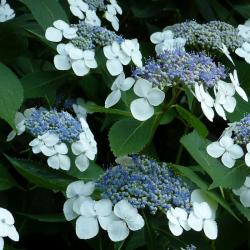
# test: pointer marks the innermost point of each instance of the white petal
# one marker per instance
(118, 82)
(202, 210)
(155, 96)
(114, 67)
(54, 35)
(62, 62)
(78, 203)
(240, 52)
(50, 139)
(77, 148)
(245, 198)
(226, 142)
(86, 227)
(13, 234)
(11, 136)
(118, 231)
(76, 12)
(108, 52)
(6, 216)
(76, 53)
(220, 111)
(141, 109)
(171, 217)
(113, 98)
(137, 58)
(230, 104)
(103, 207)
(82, 162)
(247, 159)
(136, 223)
(64, 162)
(68, 209)
(70, 33)
(54, 162)
(241, 93)
(61, 148)
(79, 68)
(157, 37)
(105, 221)
(92, 64)
(61, 25)
(194, 222)
(124, 210)
(208, 111)
(235, 151)
(87, 208)
(227, 160)
(142, 87)
(210, 229)
(180, 213)
(175, 229)
(127, 83)
(48, 151)
(215, 149)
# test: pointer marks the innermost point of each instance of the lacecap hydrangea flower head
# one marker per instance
(138, 183)
(84, 38)
(55, 133)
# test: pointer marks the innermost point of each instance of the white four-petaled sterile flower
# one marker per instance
(225, 96)
(127, 218)
(6, 13)
(19, 121)
(226, 52)
(177, 220)
(244, 192)
(235, 81)
(61, 29)
(120, 84)
(207, 102)
(116, 58)
(86, 148)
(244, 51)
(92, 212)
(143, 107)
(70, 56)
(165, 41)
(110, 14)
(7, 228)
(203, 214)
(92, 18)
(76, 192)
(226, 148)
(132, 49)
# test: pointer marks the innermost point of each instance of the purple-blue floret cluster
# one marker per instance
(242, 131)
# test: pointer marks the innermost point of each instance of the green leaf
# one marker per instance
(50, 218)
(43, 84)
(168, 117)
(46, 11)
(6, 181)
(11, 94)
(192, 121)
(100, 109)
(221, 176)
(243, 9)
(129, 136)
(41, 175)
(244, 211)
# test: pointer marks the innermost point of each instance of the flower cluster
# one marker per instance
(200, 73)
(234, 141)
(146, 184)
(85, 37)
(208, 36)
(90, 213)
(53, 132)
(7, 228)
(244, 50)
(6, 13)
